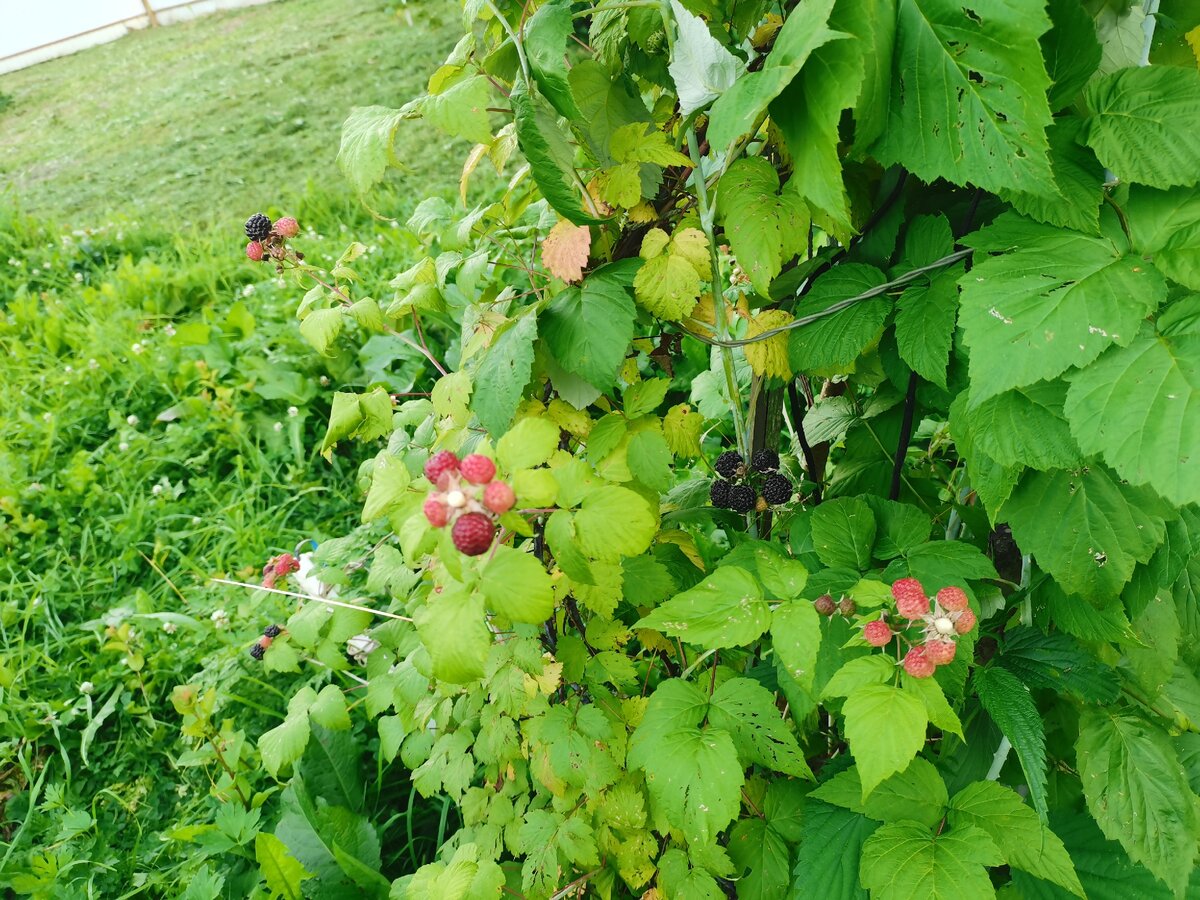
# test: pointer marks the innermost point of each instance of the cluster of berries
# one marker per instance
(948, 616)
(278, 567)
(267, 239)
(260, 646)
(736, 488)
(467, 498)
(826, 606)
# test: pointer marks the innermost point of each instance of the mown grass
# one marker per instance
(205, 121)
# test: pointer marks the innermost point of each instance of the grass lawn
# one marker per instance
(209, 120)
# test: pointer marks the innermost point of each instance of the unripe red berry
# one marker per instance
(477, 469)
(473, 533)
(254, 251)
(918, 664)
(824, 605)
(443, 461)
(287, 227)
(436, 512)
(846, 607)
(965, 621)
(499, 497)
(911, 601)
(952, 599)
(940, 652)
(877, 633)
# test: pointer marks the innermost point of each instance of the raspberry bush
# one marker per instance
(929, 269)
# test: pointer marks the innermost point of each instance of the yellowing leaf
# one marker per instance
(1193, 39)
(631, 143)
(624, 186)
(681, 427)
(565, 251)
(668, 283)
(768, 357)
(692, 245)
(643, 213)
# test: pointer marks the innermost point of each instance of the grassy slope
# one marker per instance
(208, 120)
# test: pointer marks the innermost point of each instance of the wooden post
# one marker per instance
(150, 13)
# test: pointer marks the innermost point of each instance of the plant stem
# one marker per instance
(999, 759)
(906, 430)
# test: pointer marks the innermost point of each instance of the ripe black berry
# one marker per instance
(764, 460)
(258, 226)
(272, 631)
(728, 463)
(718, 492)
(257, 651)
(777, 489)
(742, 498)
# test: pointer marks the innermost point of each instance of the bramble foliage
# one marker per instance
(942, 258)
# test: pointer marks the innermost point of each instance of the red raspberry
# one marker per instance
(254, 251)
(877, 633)
(918, 664)
(473, 533)
(952, 599)
(499, 497)
(436, 512)
(940, 652)
(443, 461)
(911, 601)
(284, 564)
(824, 605)
(965, 621)
(477, 469)
(287, 227)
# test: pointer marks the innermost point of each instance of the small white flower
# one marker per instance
(278, 426)
(36, 486)
(86, 687)
(47, 417)
(360, 647)
(137, 348)
(45, 265)
(79, 276)
(170, 627)
(220, 618)
(156, 490)
(14, 262)
(132, 420)
(324, 380)
(293, 411)
(169, 330)
(182, 789)
(196, 520)
(123, 446)
(248, 290)
(93, 364)
(69, 369)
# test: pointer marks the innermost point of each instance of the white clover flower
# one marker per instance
(360, 647)
(293, 411)
(220, 619)
(45, 265)
(69, 369)
(137, 348)
(93, 364)
(156, 490)
(278, 426)
(132, 420)
(324, 380)
(123, 446)
(169, 330)
(47, 417)
(248, 290)
(170, 627)
(79, 276)
(86, 687)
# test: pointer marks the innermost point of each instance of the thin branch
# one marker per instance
(810, 459)
(906, 429)
(327, 600)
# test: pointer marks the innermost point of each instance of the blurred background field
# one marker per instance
(159, 415)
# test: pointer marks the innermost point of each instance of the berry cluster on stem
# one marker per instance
(468, 498)
(941, 621)
(743, 488)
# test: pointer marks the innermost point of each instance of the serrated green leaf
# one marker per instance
(546, 36)
(916, 794)
(517, 586)
(1144, 122)
(502, 374)
(454, 631)
(283, 874)
(321, 327)
(747, 710)
(1139, 407)
(1137, 792)
(1011, 707)
(843, 533)
(366, 148)
(1026, 426)
(329, 709)
(529, 443)
(885, 728)
(389, 482)
(796, 639)
(650, 460)
(1085, 528)
(644, 396)
(1057, 300)
(761, 852)
(726, 609)
(1079, 179)
(764, 228)
(875, 668)
(830, 345)
(992, 481)
(936, 706)
(1058, 662)
(905, 861)
(1071, 51)
(589, 327)
(925, 315)
(613, 522)
(284, 744)
(1165, 225)
(968, 95)
(828, 860)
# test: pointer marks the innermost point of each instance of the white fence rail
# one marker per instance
(142, 14)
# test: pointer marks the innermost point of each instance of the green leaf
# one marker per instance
(366, 149)
(1085, 528)
(614, 522)
(763, 854)
(830, 345)
(1025, 841)
(550, 155)
(701, 67)
(650, 460)
(747, 710)
(1078, 176)
(1026, 427)
(901, 527)
(502, 375)
(1144, 123)
(517, 587)
(1058, 662)
(1165, 225)
(992, 481)
(925, 315)
(644, 396)
(843, 533)
(1057, 300)
(764, 229)
(828, 860)
(606, 103)
(461, 111)
(284, 744)
(529, 443)
(1071, 51)
(329, 709)
(1011, 707)
(282, 873)
(679, 881)
(796, 638)
(321, 328)
(736, 110)
(885, 727)
(546, 36)
(875, 668)
(917, 794)
(668, 283)
(1139, 408)
(454, 631)
(726, 609)
(1138, 793)
(968, 95)
(904, 861)
(560, 535)
(938, 708)
(588, 328)
(389, 483)
(642, 142)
